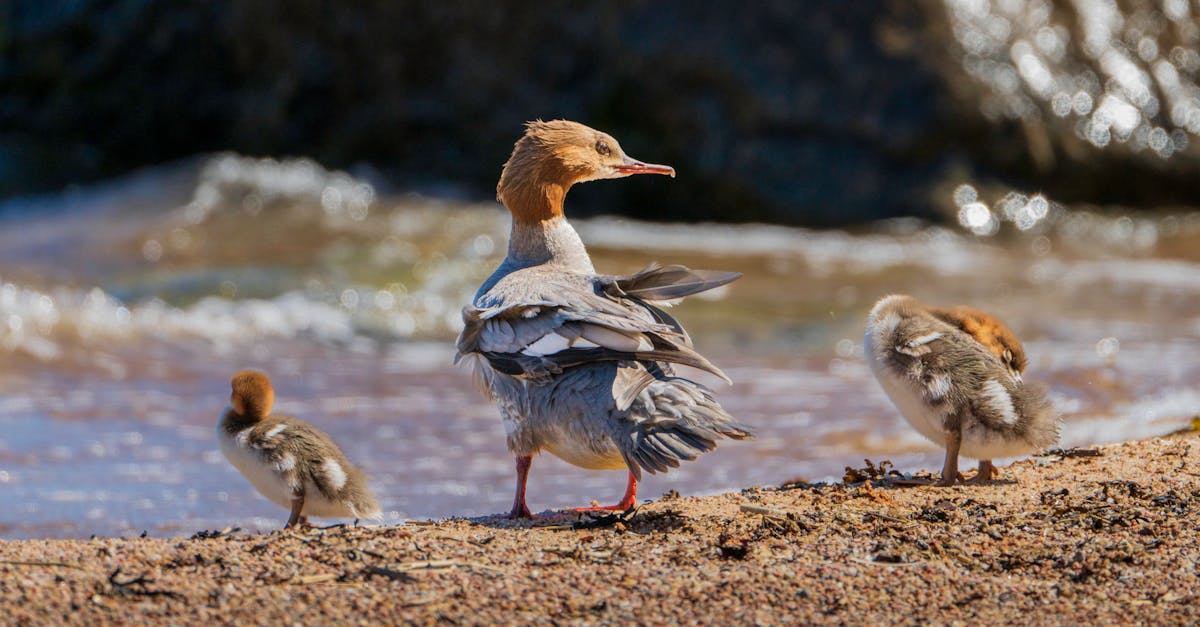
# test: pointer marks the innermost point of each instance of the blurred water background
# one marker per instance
(1034, 159)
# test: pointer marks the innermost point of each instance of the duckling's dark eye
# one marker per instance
(602, 148)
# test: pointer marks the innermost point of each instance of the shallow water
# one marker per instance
(125, 308)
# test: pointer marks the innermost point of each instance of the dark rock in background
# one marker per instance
(783, 111)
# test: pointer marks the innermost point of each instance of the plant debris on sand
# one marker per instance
(1069, 538)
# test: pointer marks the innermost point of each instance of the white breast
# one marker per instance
(272, 484)
(268, 481)
(928, 421)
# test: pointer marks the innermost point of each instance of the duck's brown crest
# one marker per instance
(548, 159)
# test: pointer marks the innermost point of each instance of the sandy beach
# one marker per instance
(1104, 534)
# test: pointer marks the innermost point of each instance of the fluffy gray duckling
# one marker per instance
(955, 375)
(292, 463)
(579, 363)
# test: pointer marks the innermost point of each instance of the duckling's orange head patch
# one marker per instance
(252, 395)
(988, 331)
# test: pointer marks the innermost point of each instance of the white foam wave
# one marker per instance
(932, 247)
(249, 183)
(44, 324)
(1165, 273)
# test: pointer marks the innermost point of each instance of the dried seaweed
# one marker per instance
(1074, 451)
(1193, 426)
(733, 548)
(604, 521)
(884, 470)
(205, 534)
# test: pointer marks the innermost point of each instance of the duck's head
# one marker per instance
(252, 395)
(988, 331)
(551, 157)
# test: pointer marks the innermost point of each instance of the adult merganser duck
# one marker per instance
(292, 463)
(579, 363)
(955, 375)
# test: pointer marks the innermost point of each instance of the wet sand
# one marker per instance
(1106, 534)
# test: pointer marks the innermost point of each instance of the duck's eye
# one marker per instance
(602, 148)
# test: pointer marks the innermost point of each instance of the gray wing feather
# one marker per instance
(607, 316)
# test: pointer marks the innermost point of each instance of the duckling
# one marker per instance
(290, 462)
(580, 363)
(955, 375)
(995, 336)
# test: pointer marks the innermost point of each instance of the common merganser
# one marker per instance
(955, 375)
(292, 463)
(579, 363)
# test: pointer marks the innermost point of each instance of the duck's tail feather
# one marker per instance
(664, 283)
(674, 420)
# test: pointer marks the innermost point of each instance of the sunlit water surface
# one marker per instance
(125, 308)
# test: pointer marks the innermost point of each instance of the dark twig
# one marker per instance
(394, 575)
(39, 563)
(1072, 452)
(137, 587)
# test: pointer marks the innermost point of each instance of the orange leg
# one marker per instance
(950, 468)
(519, 508)
(986, 473)
(297, 518)
(627, 501)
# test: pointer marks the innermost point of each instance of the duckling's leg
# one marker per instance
(520, 509)
(950, 467)
(987, 472)
(627, 501)
(297, 507)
